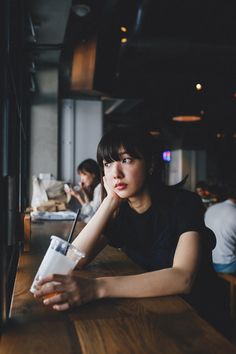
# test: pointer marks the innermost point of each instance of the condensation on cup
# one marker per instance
(60, 258)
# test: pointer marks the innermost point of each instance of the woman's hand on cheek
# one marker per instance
(112, 194)
(109, 190)
(65, 291)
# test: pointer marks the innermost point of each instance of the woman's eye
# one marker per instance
(127, 160)
(106, 164)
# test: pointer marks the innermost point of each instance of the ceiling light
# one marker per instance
(81, 10)
(154, 132)
(123, 29)
(124, 40)
(186, 118)
(220, 135)
(198, 87)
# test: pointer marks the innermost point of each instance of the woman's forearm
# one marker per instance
(79, 198)
(90, 234)
(170, 281)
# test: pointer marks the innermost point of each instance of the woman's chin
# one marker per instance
(122, 194)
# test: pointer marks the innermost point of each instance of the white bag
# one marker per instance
(39, 195)
(45, 190)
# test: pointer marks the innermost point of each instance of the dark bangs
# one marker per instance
(131, 141)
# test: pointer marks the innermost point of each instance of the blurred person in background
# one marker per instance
(221, 219)
(89, 192)
(208, 193)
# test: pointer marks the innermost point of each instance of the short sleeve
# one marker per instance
(189, 212)
(190, 217)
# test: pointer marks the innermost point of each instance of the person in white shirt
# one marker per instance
(221, 219)
(89, 193)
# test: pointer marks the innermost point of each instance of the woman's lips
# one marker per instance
(120, 186)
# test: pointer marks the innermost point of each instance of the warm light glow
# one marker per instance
(198, 87)
(154, 132)
(220, 135)
(234, 135)
(124, 40)
(187, 118)
(83, 65)
(123, 29)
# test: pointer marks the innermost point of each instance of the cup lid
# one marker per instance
(66, 245)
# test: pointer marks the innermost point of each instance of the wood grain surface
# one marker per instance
(165, 325)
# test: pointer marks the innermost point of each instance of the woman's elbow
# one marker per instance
(188, 282)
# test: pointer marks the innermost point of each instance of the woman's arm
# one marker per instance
(76, 194)
(170, 281)
(90, 238)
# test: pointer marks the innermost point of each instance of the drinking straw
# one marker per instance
(73, 226)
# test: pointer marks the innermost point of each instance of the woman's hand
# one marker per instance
(79, 195)
(71, 192)
(65, 291)
(110, 192)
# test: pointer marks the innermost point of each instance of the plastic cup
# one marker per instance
(60, 258)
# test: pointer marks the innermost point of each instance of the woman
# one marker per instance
(161, 228)
(89, 193)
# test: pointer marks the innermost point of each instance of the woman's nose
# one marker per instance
(117, 170)
(82, 181)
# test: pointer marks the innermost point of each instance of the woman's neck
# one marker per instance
(140, 203)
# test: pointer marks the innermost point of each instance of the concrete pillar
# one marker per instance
(191, 162)
(81, 130)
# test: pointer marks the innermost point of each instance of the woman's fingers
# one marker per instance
(52, 277)
(108, 189)
(55, 298)
(61, 307)
(65, 291)
(59, 302)
(51, 284)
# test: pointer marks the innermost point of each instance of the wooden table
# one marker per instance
(165, 325)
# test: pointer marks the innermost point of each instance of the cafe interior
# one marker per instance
(70, 71)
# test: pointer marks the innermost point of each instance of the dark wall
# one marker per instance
(13, 144)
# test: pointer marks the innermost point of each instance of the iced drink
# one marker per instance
(60, 258)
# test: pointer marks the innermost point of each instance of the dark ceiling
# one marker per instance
(171, 46)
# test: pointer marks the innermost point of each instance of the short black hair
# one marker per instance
(137, 142)
(91, 166)
(202, 184)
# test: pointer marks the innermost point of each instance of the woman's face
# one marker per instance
(86, 178)
(126, 177)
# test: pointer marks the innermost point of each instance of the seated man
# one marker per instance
(207, 193)
(221, 219)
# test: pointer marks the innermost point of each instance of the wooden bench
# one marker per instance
(231, 279)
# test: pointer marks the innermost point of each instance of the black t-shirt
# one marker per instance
(150, 240)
